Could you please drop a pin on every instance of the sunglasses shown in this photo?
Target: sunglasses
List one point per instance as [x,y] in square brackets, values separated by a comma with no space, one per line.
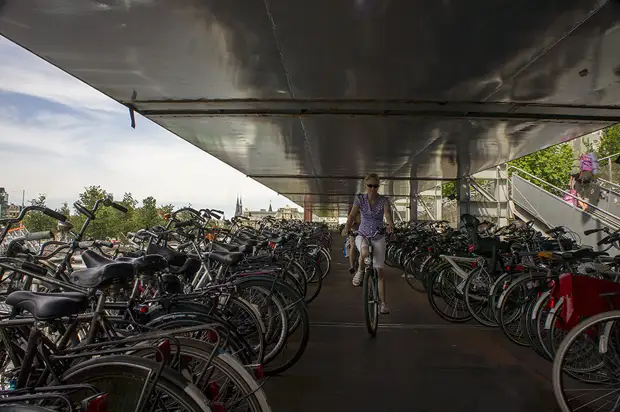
[373,186]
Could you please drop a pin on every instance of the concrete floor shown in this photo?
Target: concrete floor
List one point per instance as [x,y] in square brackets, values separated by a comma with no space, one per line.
[417,362]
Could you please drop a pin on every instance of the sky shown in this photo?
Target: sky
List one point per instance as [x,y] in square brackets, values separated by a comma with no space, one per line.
[59,135]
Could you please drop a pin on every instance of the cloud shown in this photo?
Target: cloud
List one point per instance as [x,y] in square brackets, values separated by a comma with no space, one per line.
[61,155]
[24,73]
[58,135]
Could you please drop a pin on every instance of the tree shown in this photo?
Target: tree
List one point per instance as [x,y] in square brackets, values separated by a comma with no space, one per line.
[90,195]
[609,145]
[108,222]
[64,210]
[128,222]
[166,209]
[36,221]
[552,165]
[147,215]
[610,142]
[448,189]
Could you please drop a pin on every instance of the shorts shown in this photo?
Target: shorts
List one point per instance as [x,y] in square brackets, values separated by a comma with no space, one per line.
[378,250]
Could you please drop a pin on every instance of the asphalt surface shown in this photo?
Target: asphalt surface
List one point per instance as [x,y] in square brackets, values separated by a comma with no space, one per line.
[417,362]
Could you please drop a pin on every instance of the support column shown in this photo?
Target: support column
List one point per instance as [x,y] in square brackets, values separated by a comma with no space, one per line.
[463,196]
[308,208]
[413,200]
[438,202]
[501,195]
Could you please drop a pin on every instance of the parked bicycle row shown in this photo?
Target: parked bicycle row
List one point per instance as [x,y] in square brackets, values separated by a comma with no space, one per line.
[546,292]
[184,317]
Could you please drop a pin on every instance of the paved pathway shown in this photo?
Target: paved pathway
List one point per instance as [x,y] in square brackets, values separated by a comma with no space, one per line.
[417,362]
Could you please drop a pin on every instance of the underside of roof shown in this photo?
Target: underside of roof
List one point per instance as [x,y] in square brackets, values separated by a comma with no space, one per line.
[307,97]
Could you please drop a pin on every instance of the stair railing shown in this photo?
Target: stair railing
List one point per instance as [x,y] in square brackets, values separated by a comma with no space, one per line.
[615,219]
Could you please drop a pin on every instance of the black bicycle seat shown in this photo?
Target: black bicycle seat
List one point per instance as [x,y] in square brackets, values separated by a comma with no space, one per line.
[225,258]
[145,262]
[172,256]
[48,306]
[102,276]
[226,247]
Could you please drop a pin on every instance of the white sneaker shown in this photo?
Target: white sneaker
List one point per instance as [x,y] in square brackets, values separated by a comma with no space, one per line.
[357,279]
[384,310]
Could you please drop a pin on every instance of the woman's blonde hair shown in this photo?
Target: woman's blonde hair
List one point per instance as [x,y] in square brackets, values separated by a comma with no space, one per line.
[371,177]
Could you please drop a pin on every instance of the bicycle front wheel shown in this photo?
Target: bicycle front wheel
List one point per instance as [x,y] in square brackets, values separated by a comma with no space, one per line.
[371,302]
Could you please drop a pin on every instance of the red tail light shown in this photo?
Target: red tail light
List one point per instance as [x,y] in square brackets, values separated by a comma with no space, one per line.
[97,403]
[259,373]
[272,245]
[217,407]
[213,390]
[211,336]
[164,348]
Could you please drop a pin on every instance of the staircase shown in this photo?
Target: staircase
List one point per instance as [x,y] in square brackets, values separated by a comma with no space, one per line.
[548,209]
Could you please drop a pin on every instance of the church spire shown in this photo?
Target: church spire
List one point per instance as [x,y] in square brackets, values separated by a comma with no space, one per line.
[270,209]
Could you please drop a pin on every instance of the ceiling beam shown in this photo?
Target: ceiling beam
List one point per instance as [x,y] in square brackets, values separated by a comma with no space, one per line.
[432,179]
[330,194]
[378,108]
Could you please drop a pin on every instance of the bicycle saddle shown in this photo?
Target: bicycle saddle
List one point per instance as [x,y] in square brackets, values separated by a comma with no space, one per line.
[102,276]
[48,306]
[225,258]
[146,262]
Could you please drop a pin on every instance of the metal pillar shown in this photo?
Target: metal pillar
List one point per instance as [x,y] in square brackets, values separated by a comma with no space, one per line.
[413,200]
[501,195]
[438,202]
[463,196]
[308,208]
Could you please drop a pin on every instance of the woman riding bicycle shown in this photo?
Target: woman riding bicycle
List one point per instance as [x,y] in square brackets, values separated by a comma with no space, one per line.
[372,208]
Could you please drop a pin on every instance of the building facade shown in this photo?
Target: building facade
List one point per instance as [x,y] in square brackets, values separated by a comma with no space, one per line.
[286,212]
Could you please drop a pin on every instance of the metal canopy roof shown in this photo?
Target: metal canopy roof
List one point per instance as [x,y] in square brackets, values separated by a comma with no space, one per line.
[309,96]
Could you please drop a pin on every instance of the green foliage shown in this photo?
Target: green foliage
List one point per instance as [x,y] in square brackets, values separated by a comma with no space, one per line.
[37,221]
[448,189]
[552,165]
[109,222]
[64,209]
[148,215]
[609,146]
[610,142]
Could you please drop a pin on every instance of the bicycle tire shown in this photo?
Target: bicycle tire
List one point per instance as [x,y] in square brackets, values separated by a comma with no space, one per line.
[436,279]
[224,362]
[480,314]
[140,369]
[297,305]
[519,282]
[371,303]
[571,336]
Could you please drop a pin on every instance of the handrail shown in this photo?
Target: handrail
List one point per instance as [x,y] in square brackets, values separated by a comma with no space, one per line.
[608,157]
[615,185]
[614,217]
